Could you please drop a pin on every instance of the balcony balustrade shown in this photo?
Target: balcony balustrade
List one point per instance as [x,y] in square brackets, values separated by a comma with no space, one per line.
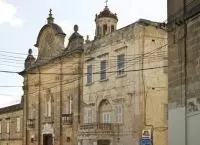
[67,118]
[31,123]
[93,128]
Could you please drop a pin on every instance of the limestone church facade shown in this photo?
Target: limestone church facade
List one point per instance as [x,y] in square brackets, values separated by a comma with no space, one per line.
[106,91]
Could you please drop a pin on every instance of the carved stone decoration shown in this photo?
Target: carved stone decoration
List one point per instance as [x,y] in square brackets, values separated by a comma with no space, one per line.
[48,129]
[50,42]
[49,95]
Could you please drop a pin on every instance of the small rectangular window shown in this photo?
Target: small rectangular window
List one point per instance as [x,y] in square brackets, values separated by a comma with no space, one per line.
[103,70]
[8,126]
[18,124]
[89,74]
[120,64]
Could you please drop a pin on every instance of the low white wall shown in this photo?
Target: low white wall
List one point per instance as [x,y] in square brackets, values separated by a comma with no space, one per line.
[193,128]
[176,127]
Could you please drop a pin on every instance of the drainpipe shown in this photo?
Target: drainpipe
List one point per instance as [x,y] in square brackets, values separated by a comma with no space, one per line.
[185,66]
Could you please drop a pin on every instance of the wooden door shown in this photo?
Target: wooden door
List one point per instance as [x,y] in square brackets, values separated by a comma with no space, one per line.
[47,139]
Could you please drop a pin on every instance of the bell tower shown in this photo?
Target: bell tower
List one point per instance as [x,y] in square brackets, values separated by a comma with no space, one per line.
[106,22]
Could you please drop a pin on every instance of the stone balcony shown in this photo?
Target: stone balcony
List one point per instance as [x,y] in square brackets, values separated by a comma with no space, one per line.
[31,123]
[67,118]
[95,128]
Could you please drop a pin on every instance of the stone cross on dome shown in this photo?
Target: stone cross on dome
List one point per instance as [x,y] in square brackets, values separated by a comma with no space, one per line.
[106,3]
[50,11]
[50,19]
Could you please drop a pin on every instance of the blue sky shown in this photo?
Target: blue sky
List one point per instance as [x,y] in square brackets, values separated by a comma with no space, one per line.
[21,20]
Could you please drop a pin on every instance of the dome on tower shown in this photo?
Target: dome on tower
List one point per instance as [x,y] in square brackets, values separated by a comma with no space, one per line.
[106,22]
[106,13]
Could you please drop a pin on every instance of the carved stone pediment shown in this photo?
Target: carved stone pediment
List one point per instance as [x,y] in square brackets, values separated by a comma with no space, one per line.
[47,129]
[50,42]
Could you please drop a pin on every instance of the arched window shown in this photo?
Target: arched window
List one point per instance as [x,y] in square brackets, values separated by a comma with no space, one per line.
[67,105]
[49,106]
[98,30]
[105,29]
[105,112]
[112,28]
[70,104]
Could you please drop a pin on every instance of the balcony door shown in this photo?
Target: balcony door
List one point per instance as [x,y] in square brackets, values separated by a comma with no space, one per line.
[105,112]
[47,139]
[106,117]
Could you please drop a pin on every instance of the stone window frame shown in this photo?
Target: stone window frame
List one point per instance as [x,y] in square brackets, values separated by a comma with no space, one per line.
[89,73]
[103,58]
[7,125]
[120,64]
[103,69]
[122,50]
[119,114]
[18,124]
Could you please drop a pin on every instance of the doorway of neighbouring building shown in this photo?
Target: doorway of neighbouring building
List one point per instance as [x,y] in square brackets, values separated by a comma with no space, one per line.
[103,142]
[47,139]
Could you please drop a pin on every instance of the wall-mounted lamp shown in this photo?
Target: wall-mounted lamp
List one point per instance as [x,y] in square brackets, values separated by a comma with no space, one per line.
[32,138]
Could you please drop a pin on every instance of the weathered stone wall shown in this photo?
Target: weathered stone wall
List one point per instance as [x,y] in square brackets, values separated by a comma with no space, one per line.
[134,41]
[193,58]
[183,82]
[155,84]
[176,48]
[58,80]
[14,137]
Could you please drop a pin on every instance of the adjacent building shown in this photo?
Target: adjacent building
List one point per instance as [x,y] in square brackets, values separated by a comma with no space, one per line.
[183,50]
[11,125]
[125,87]
[108,91]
